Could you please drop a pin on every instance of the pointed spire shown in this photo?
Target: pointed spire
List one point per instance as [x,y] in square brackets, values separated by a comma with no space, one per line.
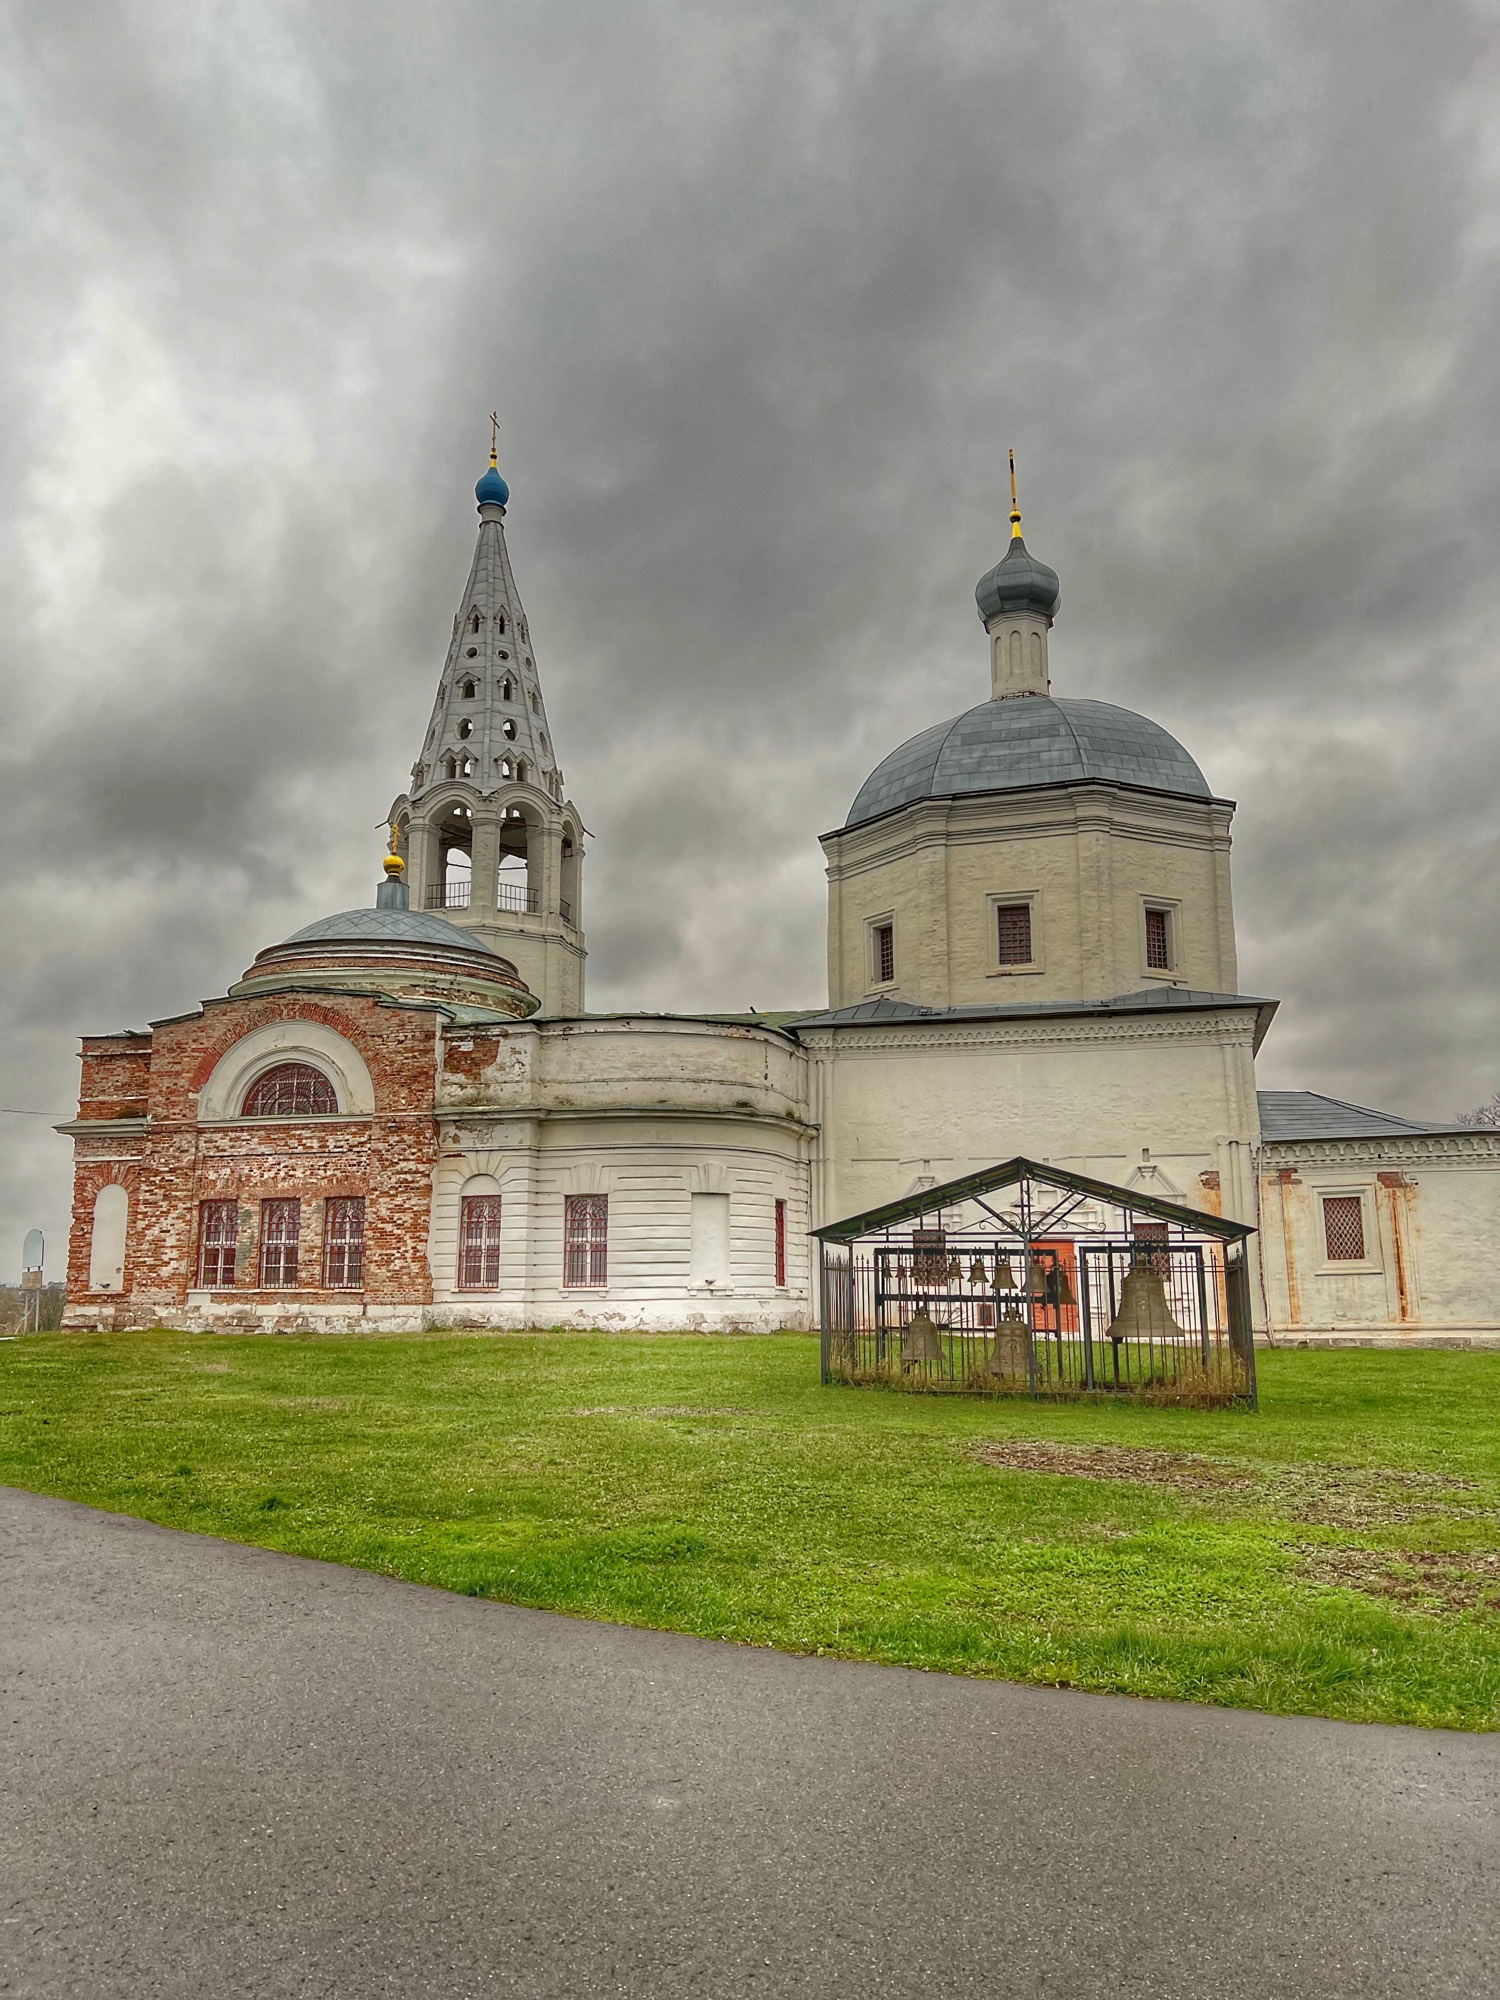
[1015,505]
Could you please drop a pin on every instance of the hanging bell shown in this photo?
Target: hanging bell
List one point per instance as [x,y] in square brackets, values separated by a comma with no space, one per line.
[1005,1277]
[955,1271]
[977,1272]
[1062,1290]
[1036,1279]
[1144,1313]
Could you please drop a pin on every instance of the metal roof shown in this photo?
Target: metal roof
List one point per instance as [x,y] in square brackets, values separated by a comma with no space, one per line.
[390,927]
[1024,741]
[1307,1114]
[1151,1000]
[950,1194]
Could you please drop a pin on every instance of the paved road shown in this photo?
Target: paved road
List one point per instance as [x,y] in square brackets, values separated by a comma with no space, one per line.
[234,1773]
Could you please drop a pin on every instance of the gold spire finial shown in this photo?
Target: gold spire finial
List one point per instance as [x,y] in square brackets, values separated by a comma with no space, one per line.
[494,437]
[1015,505]
[395,867]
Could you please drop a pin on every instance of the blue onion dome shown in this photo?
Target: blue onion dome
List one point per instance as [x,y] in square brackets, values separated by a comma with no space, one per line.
[1018,582]
[491,490]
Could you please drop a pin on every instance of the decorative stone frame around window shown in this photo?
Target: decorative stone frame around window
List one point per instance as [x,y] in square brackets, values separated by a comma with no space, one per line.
[1014,926]
[1348,1232]
[1161,937]
[880,951]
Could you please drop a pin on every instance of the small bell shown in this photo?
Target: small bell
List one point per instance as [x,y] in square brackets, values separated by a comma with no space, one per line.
[976,1272]
[1036,1279]
[955,1271]
[1062,1291]
[1005,1277]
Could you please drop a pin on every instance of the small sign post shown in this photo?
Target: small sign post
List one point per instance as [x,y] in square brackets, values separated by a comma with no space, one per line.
[33,1262]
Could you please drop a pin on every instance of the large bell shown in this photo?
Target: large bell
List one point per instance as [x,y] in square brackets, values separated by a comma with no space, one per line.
[1036,1280]
[1010,1352]
[919,1341]
[1143,1312]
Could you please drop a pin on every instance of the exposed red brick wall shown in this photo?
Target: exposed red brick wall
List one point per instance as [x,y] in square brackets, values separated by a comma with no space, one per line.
[175,1165]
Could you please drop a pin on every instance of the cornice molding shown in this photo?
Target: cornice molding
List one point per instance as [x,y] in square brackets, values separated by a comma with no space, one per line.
[1477,1147]
[1227,1029]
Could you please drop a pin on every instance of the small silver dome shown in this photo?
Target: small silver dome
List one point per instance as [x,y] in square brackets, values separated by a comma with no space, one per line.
[390,927]
[1011,745]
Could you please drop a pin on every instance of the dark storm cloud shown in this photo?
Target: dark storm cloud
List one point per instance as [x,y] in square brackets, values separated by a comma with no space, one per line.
[762,295]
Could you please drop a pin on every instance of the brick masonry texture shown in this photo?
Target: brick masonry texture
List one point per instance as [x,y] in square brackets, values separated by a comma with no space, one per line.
[171,1165]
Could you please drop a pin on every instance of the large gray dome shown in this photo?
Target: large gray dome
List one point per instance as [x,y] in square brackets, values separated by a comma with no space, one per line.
[1007,746]
[389,927]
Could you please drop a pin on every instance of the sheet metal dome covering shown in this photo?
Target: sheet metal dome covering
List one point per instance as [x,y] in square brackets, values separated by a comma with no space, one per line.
[390,927]
[1006,746]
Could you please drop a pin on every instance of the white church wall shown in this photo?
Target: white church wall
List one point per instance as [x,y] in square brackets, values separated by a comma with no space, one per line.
[1107,1097]
[654,1172]
[1430,1210]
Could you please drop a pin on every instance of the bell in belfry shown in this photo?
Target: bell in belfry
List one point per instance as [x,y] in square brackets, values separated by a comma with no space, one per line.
[1010,1353]
[1005,1277]
[1036,1280]
[977,1272]
[1061,1288]
[919,1341]
[1144,1313]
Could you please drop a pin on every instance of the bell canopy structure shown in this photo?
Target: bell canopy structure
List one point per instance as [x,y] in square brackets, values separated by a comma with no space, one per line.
[1036,848]
[488,834]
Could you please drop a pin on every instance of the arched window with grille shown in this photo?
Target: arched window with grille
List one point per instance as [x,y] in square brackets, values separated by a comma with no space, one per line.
[290,1090]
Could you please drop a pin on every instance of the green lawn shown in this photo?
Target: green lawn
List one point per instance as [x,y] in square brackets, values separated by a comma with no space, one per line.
[1335,1554]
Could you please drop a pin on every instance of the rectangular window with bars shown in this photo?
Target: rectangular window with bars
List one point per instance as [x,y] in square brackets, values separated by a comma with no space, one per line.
[218,1227]
[1013,924]
[586,1239]
[780,1241]
[1159,940]
[883,953]
[1344,1228]
[280,1239]
[344,1242]
[478,1242]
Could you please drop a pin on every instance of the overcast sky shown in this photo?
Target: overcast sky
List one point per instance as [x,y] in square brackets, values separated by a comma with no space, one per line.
[762,293]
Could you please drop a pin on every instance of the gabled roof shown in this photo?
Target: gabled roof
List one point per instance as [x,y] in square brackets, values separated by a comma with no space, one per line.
[950,1194]
[1308,1114]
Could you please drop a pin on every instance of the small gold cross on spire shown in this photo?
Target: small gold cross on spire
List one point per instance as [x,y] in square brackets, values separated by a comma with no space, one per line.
[1015,507]
[494,436]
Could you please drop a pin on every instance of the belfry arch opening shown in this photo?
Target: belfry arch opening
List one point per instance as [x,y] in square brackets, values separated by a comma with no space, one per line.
[454,886]
[519,883]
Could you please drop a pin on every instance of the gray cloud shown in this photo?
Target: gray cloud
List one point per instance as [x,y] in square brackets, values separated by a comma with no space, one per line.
[762,295]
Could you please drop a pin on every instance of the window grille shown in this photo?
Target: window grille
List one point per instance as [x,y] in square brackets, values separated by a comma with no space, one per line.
[218,1226]
[291,1090]
[1013,921]
[1159,940]
[885,953]
[344,1242]
[479,1242]
[585,1239]
[780,1241]
[1153,1247]
[1344,1228]
[280,1235]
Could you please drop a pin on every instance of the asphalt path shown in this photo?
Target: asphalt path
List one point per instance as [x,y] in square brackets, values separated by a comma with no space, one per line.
[227,1772]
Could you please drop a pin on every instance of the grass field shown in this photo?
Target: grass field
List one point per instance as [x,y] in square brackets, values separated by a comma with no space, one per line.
[1336,1554]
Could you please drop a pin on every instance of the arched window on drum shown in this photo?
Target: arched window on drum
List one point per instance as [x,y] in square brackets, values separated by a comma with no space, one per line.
[290,1090]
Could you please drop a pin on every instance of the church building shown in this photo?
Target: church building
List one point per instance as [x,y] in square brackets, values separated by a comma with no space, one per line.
[405,1116]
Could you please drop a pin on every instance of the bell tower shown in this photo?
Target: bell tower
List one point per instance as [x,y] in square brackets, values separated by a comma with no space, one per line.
[487,832]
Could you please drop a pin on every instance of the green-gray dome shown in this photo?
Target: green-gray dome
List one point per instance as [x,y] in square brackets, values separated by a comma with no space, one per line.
[389,927]
[1018,582]
[1028,740]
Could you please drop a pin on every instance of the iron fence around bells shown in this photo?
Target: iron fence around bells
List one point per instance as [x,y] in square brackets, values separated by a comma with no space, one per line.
[1147,1314]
